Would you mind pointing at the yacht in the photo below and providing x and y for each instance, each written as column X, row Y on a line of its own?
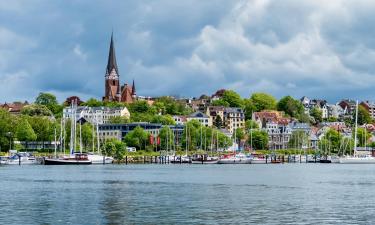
column 20, row 158
column 99, row 159
column 258, row 159
column 75, row 159
column 357, row 159
column 180, row 159
column 235, row 159
column 204, row 159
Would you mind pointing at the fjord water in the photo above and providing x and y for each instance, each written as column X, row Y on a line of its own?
column 191, row 194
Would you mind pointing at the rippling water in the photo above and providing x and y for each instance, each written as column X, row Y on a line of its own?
column 199, row 194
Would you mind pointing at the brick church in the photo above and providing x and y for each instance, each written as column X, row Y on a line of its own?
column 114, row 92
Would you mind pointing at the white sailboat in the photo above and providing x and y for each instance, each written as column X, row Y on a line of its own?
column 357, row 159
column 235, row 158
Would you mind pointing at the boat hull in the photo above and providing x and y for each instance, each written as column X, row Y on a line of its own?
column 66, row 162
column 204, row 161
column 234, row 161
column 366, row 160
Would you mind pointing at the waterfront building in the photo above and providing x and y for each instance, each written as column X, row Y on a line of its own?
column 201, row 118
column 114, row 92
column 232, row 118
column 348, row 106
column 310, row 104
column 96, row 115
column 14, row 108
column 119, row 131
column 370, row 107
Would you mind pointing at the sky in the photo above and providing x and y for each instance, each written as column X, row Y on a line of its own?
column 315, row 48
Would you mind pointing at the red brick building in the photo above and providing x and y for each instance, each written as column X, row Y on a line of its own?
column 114, row 92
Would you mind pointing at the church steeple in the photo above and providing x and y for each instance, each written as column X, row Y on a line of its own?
column 112, row 63
column 133, row 90
column 112, row 77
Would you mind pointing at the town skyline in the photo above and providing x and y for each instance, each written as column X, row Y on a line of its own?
column 238, row 47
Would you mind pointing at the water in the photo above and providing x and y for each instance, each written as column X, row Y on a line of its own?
column 190, row 194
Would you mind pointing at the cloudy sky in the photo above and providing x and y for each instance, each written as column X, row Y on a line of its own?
column 317, row 48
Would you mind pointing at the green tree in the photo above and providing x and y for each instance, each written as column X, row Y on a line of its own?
column 164, row 120
column 167, row 138
column 250, row 124
column 263, row 101
column 291, row 107
column 317, row 114
column 87, row 136
column 259, row 140
column 249, row 108
column 36, row 110
column 119, row 120
column 220, row 102
column 140, row 106
column 24, row 131
column 109, row 147
column 363, row 116
column 363, row 137
column 92, row 102
column 233, row 98
column 49, row 100
column 218, row 122
column 137, row 138
column 7, row 129
column 239, row 134
column 298, row 139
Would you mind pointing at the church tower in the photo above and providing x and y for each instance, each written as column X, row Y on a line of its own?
column 112, row 77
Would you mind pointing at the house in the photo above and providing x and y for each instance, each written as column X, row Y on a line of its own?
column 310, row 104
column 348, row 106
column 14, row 108
column 232, row 118
column 96, row 115
column 179, row 120
column 370, row 107
column 119, row 131
column 277, row 127
column 201, row 117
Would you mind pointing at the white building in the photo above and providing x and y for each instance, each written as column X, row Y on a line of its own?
column 97, row 115
column 201, row 117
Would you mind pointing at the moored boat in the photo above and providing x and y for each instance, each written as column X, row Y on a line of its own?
column 205, row 159
column 235, row 159
column 76, row 159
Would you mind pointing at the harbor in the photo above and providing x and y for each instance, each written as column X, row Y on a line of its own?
column 199, row 194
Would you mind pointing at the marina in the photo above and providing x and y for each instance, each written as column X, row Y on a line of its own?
column 171, row 194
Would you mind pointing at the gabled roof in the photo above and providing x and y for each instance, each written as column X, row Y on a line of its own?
column 198, row 114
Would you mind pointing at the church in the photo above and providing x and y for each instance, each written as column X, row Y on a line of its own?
column 114, row 92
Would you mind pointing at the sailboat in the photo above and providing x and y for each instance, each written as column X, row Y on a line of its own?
column 96, row 157
column 74, row 158
column 235, row 158
column 357, row 159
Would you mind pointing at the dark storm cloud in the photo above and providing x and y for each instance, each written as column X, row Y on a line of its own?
column 187, row 48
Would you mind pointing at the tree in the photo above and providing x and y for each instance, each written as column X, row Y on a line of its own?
column 137, row 138
column 239, row 134
column 24, row 131
column 363, row 137
column 363, row 116
column 139, row 106
column 298, row 139
column 46, row 99
column 36, row 110
column 259, row 140
column 218, row 122
column 233, row 98
column 92, row 102
column 118, row 120
column 43, row 128
column 331, row 142
column 251, row 124
column 317, row 114
column 249, row 108
column 220, row 102
column 114, row 148
column 50, row 101
column 291, row 107
column 7, row 129
column 87, row 135
column 166, row 138
column 263, row 101
column 164, row 120
column 109, row 148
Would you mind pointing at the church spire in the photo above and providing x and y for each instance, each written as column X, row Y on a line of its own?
column 112, row 63
column 133, row 89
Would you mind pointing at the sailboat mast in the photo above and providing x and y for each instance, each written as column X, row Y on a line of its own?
column 55, row 144
column 355, row 129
